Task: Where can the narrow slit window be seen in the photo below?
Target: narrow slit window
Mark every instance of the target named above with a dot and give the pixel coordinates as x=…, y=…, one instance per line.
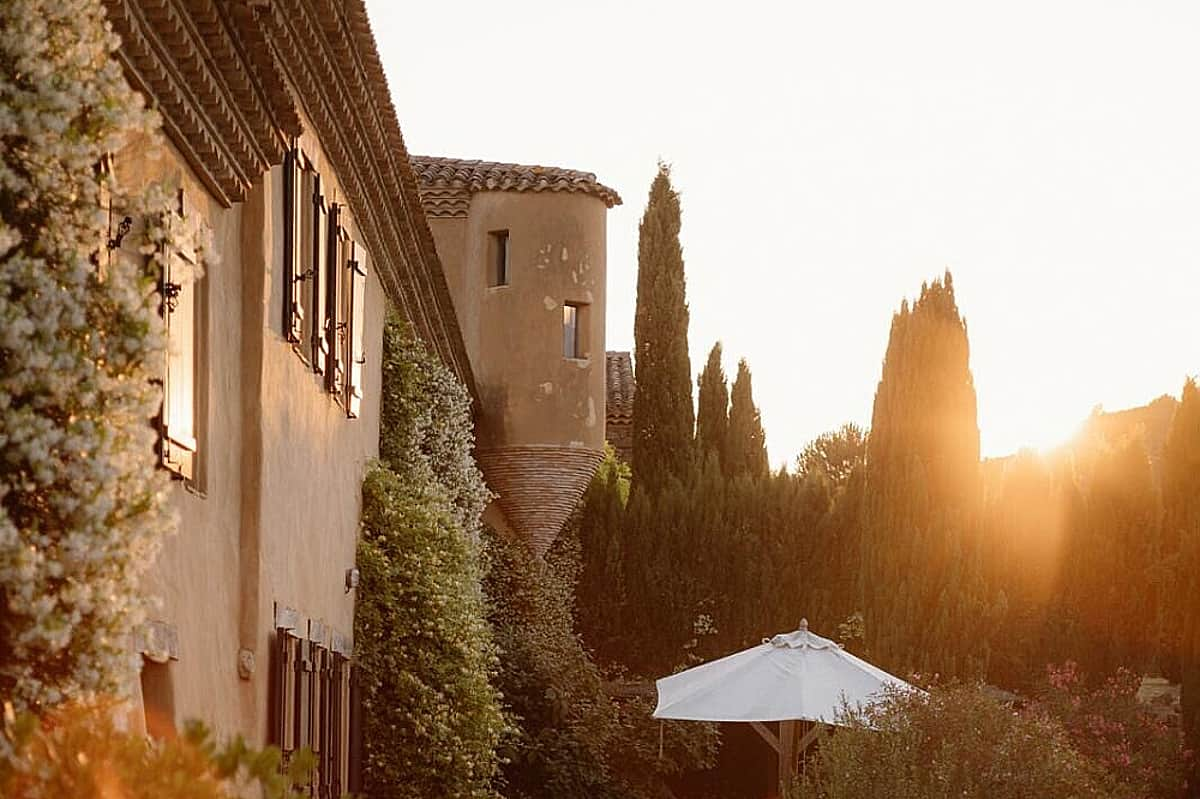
x=570, y=324
x=498, y=258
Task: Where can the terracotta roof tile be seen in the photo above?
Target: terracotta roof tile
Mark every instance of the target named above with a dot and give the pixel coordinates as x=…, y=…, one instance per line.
x=447, y=183
x=619, y=385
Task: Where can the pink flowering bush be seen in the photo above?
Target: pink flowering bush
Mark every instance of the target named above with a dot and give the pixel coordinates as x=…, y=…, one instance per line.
x=1144, y=754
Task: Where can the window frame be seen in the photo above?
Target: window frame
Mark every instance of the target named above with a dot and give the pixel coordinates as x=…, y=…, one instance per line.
x=499, y=258
x=579, y=351
x=181, y=453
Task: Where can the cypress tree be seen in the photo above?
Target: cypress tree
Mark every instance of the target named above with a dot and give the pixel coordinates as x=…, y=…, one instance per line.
x=712, y=416
x=1181, y=525
x=925, y=408
x=745, y=442
x=663, y=418
x=600, y=591
x=1107, y=560
x=919, y=549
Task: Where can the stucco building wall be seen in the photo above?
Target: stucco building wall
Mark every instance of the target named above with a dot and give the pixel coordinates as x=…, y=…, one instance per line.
x=272, y=519
x=196, y=575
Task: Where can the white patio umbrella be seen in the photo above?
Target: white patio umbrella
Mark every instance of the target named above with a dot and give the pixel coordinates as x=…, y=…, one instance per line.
x=792, y=677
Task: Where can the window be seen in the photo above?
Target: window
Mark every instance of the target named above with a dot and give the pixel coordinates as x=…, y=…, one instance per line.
x=178, y=292
x=572, y=323
x=158, y=699
x=498, y=258
x=312, y=693
x=324, y=277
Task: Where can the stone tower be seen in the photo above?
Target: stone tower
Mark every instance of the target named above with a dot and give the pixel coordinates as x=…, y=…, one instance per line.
x=523, y=250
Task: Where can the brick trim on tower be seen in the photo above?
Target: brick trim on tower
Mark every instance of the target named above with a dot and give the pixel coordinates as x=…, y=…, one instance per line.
x=538, y=486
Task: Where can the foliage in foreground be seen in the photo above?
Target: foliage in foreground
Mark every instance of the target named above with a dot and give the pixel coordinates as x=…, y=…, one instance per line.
x=953, y=742
x=433, y=720
x=77, y=751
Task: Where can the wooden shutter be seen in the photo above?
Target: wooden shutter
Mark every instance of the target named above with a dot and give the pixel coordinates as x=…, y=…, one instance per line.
x=320, y=255
x=337, y=241
x=326, y=769
x=356, y=299
x=340, y=728
x=303, y=698
x=177, y=289
x=293, y=246
x=316, y=717
x=283, y=673
x=354, y=753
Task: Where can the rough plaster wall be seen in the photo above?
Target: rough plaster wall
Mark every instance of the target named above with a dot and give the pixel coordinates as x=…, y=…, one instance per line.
x=313, y=458
x=196, y=575
x=530, y=393
x=278, y=520
x=449, y=237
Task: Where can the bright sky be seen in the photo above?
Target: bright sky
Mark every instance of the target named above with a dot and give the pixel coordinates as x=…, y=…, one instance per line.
x=831, y=156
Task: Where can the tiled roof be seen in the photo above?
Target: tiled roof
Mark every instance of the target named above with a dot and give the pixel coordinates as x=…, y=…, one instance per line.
x=619, y=385
x=229, y=79
x=447, y=183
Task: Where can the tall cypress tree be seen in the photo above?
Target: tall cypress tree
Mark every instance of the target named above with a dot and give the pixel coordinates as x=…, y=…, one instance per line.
x=925, y=409
x=745, y=442
x=663, y=418
x=1181, y=528
x=712, y=416
x=920, y=560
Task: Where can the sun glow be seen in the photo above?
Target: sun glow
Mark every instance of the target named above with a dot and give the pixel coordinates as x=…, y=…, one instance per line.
x=1038, y=430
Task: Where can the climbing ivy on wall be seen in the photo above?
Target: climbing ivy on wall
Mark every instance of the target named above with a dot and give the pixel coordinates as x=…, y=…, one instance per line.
x=432, y=719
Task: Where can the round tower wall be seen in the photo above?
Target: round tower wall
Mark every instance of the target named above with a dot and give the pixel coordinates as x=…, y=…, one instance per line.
x=531, y=393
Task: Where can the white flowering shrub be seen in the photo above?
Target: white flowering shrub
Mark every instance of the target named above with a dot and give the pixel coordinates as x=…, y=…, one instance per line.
x=81, y=510
x=432, y=718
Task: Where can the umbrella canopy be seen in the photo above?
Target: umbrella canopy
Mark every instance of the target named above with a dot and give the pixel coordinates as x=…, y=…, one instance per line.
x=791, y=676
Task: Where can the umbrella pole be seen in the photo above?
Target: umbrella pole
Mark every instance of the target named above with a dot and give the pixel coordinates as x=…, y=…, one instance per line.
x=787, y=756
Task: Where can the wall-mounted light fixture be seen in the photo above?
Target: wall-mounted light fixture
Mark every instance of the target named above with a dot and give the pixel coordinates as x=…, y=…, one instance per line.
x=352, y=577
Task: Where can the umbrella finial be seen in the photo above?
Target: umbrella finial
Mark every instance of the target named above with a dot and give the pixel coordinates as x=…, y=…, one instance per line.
x=804, y=625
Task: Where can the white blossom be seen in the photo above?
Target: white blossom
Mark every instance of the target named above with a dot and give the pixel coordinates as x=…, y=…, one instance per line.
x=81, y=499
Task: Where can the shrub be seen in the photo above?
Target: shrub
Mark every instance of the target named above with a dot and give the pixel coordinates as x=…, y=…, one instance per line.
x=81, y=510
x=1143, y=753
x=952, y=742
x=432, y=720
